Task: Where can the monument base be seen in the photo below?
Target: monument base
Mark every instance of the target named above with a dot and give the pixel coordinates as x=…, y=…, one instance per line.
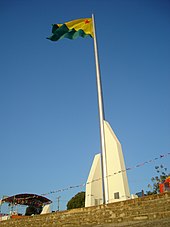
x=118, y=188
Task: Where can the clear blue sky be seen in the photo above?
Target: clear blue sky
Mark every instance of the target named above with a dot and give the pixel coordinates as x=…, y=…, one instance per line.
x=49, y=126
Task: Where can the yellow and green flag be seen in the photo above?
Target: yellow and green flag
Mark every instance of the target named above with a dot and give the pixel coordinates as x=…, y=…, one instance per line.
x=72, y=29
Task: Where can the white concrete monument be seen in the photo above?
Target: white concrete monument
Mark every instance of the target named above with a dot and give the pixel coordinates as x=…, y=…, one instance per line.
x=117, y=182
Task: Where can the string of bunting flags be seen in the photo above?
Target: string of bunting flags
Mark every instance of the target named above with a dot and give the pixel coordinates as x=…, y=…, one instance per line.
x=127, y=169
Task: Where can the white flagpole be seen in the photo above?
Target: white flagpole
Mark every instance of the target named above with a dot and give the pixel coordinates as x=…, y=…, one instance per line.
x=101, y=119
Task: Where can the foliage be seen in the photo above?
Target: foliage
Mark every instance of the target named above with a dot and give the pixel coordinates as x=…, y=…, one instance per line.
x=33, y=210
x=77, y=201
x=161, y=176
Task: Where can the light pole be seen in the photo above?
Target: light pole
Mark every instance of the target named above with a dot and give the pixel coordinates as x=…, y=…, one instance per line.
x=58, y=203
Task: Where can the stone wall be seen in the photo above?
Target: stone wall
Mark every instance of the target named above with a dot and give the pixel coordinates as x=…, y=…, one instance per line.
x=148, y=211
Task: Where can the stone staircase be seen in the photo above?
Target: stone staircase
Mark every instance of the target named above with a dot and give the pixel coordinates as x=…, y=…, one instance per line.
x=153, y=210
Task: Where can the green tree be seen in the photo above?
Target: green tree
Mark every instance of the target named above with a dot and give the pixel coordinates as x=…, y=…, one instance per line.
x=77, y=201
x=161, y=176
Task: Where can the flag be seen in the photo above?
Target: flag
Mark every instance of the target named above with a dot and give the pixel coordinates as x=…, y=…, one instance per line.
x=72, y=29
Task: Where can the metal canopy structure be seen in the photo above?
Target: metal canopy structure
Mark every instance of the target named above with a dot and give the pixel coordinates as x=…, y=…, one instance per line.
x=27, y=199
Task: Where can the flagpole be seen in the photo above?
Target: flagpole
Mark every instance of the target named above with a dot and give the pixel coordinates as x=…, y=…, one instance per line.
x=101, y=119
